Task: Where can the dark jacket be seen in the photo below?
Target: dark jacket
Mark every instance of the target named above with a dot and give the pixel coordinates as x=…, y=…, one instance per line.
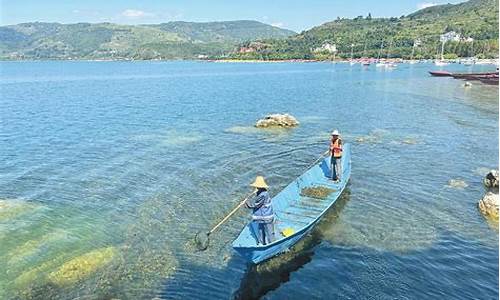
x=262, y=207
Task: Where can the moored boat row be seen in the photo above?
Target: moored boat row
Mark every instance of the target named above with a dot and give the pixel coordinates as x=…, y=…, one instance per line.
x=485, y=77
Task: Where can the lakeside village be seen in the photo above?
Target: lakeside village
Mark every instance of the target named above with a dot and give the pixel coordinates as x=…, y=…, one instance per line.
x=329, y=52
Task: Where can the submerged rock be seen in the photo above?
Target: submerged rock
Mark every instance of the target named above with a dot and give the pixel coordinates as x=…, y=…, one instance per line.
x=374, y=137
x=410, y=141
x=33, y=248
x=180, y=138
x=243, y=130
x=488, y=206
x=34, y=275
x=82, y=266
x=491, y=179
x=277, y=120
x=146, y=257
x=10, y=209
x=457, y=183
x=169, y=138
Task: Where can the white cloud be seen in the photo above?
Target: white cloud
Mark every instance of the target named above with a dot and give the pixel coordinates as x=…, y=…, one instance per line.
x=278, y=24
x=425, y=5
x=135, y=14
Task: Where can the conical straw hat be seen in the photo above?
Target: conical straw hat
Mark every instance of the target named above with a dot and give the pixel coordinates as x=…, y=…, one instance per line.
x=259, y=183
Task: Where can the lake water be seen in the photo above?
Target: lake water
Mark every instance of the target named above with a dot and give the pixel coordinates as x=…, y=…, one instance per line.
x=108, y=169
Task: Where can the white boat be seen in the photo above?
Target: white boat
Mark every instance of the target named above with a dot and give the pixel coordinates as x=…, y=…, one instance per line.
x=412, y=61
x=380, y=64
x=365, y=61
x=487, y=62
x=440, y=63
x=388, y=64
x=471, y=60
x=352, y=61
x=468, y=62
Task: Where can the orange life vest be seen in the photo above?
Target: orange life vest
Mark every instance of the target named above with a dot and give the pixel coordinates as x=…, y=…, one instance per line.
x=336, y=148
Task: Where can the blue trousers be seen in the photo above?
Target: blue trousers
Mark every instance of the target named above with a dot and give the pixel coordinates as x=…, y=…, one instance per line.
x=264, y=232
x=336, y=165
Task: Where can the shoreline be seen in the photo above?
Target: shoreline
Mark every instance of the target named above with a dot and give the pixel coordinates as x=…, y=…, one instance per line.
x=493, y=61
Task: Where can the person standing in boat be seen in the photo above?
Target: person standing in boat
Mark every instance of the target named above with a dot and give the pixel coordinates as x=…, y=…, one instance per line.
x=336, y=156
x=263, y=214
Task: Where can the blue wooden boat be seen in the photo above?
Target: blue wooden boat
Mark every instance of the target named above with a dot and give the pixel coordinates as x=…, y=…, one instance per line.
x=295, y=211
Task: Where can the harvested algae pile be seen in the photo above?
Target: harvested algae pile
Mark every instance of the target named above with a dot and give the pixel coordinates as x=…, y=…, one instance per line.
x=318, y=192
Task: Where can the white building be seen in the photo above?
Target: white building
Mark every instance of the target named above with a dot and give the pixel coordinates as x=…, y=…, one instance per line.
x=450, y=36
x=327, y=47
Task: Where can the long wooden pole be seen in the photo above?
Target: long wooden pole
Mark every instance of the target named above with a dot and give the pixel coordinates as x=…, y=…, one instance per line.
x=244, y=200
x=230, y=214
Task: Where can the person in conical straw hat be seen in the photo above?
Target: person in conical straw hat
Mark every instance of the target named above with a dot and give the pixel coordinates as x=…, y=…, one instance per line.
x=259, y=183
x=262, y=212
x=336, y=153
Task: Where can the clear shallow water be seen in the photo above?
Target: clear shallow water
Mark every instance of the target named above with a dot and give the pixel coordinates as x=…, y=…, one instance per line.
x=137, y=157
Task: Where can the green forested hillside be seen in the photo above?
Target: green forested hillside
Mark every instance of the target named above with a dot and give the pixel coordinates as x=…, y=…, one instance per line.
x=111, y=41
x=476, y=19
x=365, y=35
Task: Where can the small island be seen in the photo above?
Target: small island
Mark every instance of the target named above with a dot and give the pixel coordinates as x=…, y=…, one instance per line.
x=277, y=120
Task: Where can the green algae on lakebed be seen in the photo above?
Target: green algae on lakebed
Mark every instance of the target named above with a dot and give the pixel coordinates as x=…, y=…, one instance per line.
x=142, y=160
x=82, y=266
x=10, y=208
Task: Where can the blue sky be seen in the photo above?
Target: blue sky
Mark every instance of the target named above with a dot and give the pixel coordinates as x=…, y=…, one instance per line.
x=297, y=15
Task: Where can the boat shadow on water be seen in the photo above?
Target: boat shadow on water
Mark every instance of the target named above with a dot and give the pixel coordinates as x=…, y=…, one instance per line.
x=256, y=280
x=260, y=279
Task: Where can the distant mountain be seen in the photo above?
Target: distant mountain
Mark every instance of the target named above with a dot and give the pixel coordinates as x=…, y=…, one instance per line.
x=112, y=41
x=474, y=19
